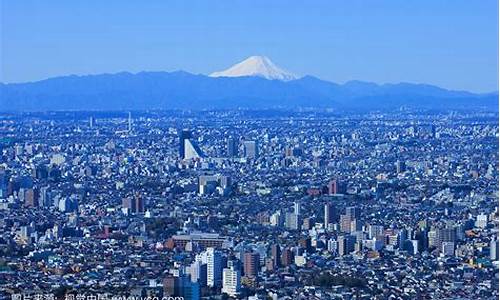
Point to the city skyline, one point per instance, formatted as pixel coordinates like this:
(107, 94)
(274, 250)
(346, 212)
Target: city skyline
(280, 205)
(249, 150)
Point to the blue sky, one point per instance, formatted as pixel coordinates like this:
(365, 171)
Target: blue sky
(453, 44)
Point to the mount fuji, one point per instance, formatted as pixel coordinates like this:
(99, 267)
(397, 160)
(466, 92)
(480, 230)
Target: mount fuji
(259, 66)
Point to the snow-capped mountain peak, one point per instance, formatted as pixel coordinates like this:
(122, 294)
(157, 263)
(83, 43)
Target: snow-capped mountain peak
(260, 66)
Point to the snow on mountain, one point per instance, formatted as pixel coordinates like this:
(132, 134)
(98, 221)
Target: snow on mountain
(260, 66)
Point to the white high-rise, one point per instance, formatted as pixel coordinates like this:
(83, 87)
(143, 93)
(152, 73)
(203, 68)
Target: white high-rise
(231, 282)
(213, 259)
(251, 149)
(198, 272)
(296, 208)
(129, 122)
(191, 150)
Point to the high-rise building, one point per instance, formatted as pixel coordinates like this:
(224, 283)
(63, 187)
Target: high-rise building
(232, 147)
(276, 254)
(345, 244)
(414, 246)
(4, 183)
(207, 184)
(251, 149)
(494, 249)
(276, 219)
(251, 264)
(188, 149)
(330, 214)
(355, 225)
(139, 204)
(286, 257)
(181, 286)
(44, 199)
(296, 208)
(433, 131)
(445, 235)
(231, 281)
(432, 238)
(292, 221)
(422, 237)
(68, 204)
(332, 245)
(402, 237)
(393, 239)
(198, 272)
(214, 267)
(400, 166)
(129, 122)
(336, 186)
(184, 135)
(133, 204)
(345, 223)
(31, 197)
(353, 212)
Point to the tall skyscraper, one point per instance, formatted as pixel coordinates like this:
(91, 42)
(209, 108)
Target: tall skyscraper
(276, 254)
(232, 147)
(345, 224)
(184, 135)
(198, 272)
(296, 208)
(134, 204)
(129, 122)
(251, 263)
(292, 221)
(330, 214)
(345, 244)
(494, 249)
(214, 267)
(188, 149)
(433, 131)
(286, 257)
(231, 281)
(251, 149)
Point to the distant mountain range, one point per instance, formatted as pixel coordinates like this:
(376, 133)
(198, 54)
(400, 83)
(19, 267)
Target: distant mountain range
(255, 83)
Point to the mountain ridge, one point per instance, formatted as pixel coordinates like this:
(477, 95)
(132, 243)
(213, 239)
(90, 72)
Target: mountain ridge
(183, 90)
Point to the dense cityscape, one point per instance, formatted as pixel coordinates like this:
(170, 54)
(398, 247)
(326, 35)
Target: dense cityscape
(249, 205)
